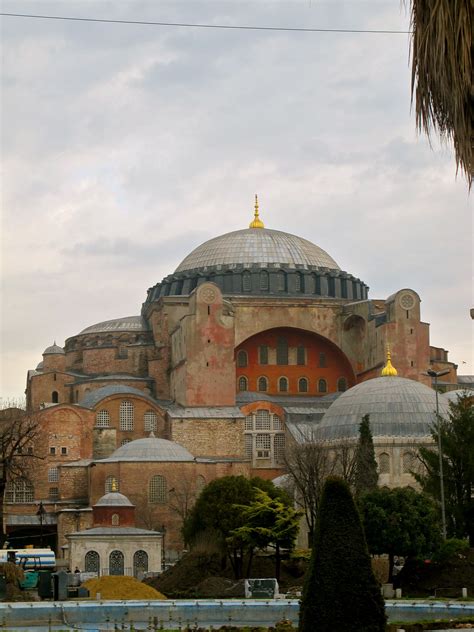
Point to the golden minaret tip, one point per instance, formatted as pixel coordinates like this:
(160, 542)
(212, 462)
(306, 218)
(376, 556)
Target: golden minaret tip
(389, 369)
(256, 222)
(113, 486)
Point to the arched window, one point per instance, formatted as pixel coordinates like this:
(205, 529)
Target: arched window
(281, 281)
(242, 359)
(263, 354)
(317, 284)
(384, 463)
(300, 355)
(322, 386)
(55, 397)
(115, 520)
(157, 490)
(408, 462)
(322, 360)
(102, 419)
(264, 280)
(342, 384)
(111, 484)
(150, 421)
(282, 351)
(262, 420)
(283, 385)
(126, 415)
(246, 281)
(19, 491)
(140, 563)
(299, 282)
(200, 484)
(262, 384)
(303, 385)
(92, 562)
(116, 566)
(243, 384)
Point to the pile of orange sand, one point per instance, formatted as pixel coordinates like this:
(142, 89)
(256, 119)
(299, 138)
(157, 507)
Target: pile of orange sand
(120, 587)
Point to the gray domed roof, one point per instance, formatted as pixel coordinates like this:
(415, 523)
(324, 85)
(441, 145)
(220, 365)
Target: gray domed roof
(260, 246)
(40, 366)
(128, 323)
(398, 407)
(452, 396)
(53, 350)
(150, 449)
(113, 499)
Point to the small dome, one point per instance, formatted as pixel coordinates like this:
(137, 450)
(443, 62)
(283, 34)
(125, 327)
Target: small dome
(150, 449)
(54, 349)
(128, 323)
(397, 406)
(113, 499)
(453, 396)
(260, 246)
(40, 366)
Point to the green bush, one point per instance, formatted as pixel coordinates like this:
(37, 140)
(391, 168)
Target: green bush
(449, 549)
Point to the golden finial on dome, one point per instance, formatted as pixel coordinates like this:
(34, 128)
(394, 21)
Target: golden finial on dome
(114, 486)
(257, 222)
(389, 369)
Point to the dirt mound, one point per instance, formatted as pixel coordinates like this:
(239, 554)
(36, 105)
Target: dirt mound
(220, 588)
(422, 579)
(120, 587)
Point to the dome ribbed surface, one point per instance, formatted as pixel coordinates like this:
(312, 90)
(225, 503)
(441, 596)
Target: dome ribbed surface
(113, 499)
(397, 406)
(53, 350)
(150, 449)
(260, 246)
(128, 323)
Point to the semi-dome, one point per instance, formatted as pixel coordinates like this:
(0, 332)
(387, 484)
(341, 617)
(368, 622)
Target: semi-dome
(54, 349)
(127, 323)
(150, 449)
(397, 406)
(262, 246)
(114, 499)
(453, 396)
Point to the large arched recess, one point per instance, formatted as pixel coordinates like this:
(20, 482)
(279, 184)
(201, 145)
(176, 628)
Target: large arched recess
(321, 362)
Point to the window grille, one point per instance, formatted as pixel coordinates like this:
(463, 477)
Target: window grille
(111, 484)
(303, 385)
(115, 520)
(242, 358)
(102, 419)
(384, 463)
(279, 447)
(249, 422)
(140, 562)
(248, 450)
(92, 562)
(53, 475)
(283, 385)
(125, 441)
(262, 446)
(322, 360)
(263, 354)
(277, 425)
(53, 493)
(262, 384)
(342, 384)
(322, 386)
(19, 491)
(282, 351)
(281, 281)
(243, 383)
(301, 355)
(263, 280)
(150, 421)
(246, 282)
(116, 565)
(262, 420)
(126, 416)
(408, 462)
(157, 490)
(298, 283)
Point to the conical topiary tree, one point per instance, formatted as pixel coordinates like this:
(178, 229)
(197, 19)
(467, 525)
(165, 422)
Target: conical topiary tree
(366, 475)
(340, 591)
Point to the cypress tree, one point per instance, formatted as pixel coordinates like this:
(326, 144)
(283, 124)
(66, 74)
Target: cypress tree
(366, 475)
(340, 591)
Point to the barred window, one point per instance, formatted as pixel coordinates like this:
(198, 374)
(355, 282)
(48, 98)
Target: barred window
(262, 420)
(249, 422)
(279, 447)
(126, 415)
(53, 475)
(53, 493)
(262, 446)
(300, 355)
(242, 359)
(262, 384)
(282, 351)
(92, 562)
(303, 385)
(140, 563)
(157, 489)
(150, 421)
(283, 385)
(384, 463)
(263, 354)
(263, 280)
(125, 441)
(116, 563)
(243, 384)
(298, 283)
(246, 282)
(342, 384)
(20, 491)
(277, 425)
(111, 484)
(248, 450)
(408, 462)
(102, 419)
(115, 520)
(322, 386)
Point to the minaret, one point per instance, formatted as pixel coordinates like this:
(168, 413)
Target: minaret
(256, 222)
(389, 370)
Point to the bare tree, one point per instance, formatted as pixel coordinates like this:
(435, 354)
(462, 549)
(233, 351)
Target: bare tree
(19, 431)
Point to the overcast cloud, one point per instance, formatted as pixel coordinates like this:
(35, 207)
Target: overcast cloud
(125, 146)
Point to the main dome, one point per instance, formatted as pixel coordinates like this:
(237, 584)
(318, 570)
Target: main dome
(262, 246)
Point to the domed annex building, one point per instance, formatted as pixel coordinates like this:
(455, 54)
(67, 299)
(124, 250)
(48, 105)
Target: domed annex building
(256, 333)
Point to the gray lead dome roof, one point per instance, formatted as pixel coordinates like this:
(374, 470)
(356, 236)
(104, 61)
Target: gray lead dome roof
(113, 499)
(150, 449)
(127, 323)
(397, 406)
(260, 246)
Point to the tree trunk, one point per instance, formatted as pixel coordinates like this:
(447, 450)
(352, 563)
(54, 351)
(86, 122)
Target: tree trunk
(277, 562)
(391, 562)
(249, 563)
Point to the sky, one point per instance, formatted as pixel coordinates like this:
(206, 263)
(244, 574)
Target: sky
(126, 146)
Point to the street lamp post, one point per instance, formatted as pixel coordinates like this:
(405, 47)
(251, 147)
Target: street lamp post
(41, 513)
(436, 375)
